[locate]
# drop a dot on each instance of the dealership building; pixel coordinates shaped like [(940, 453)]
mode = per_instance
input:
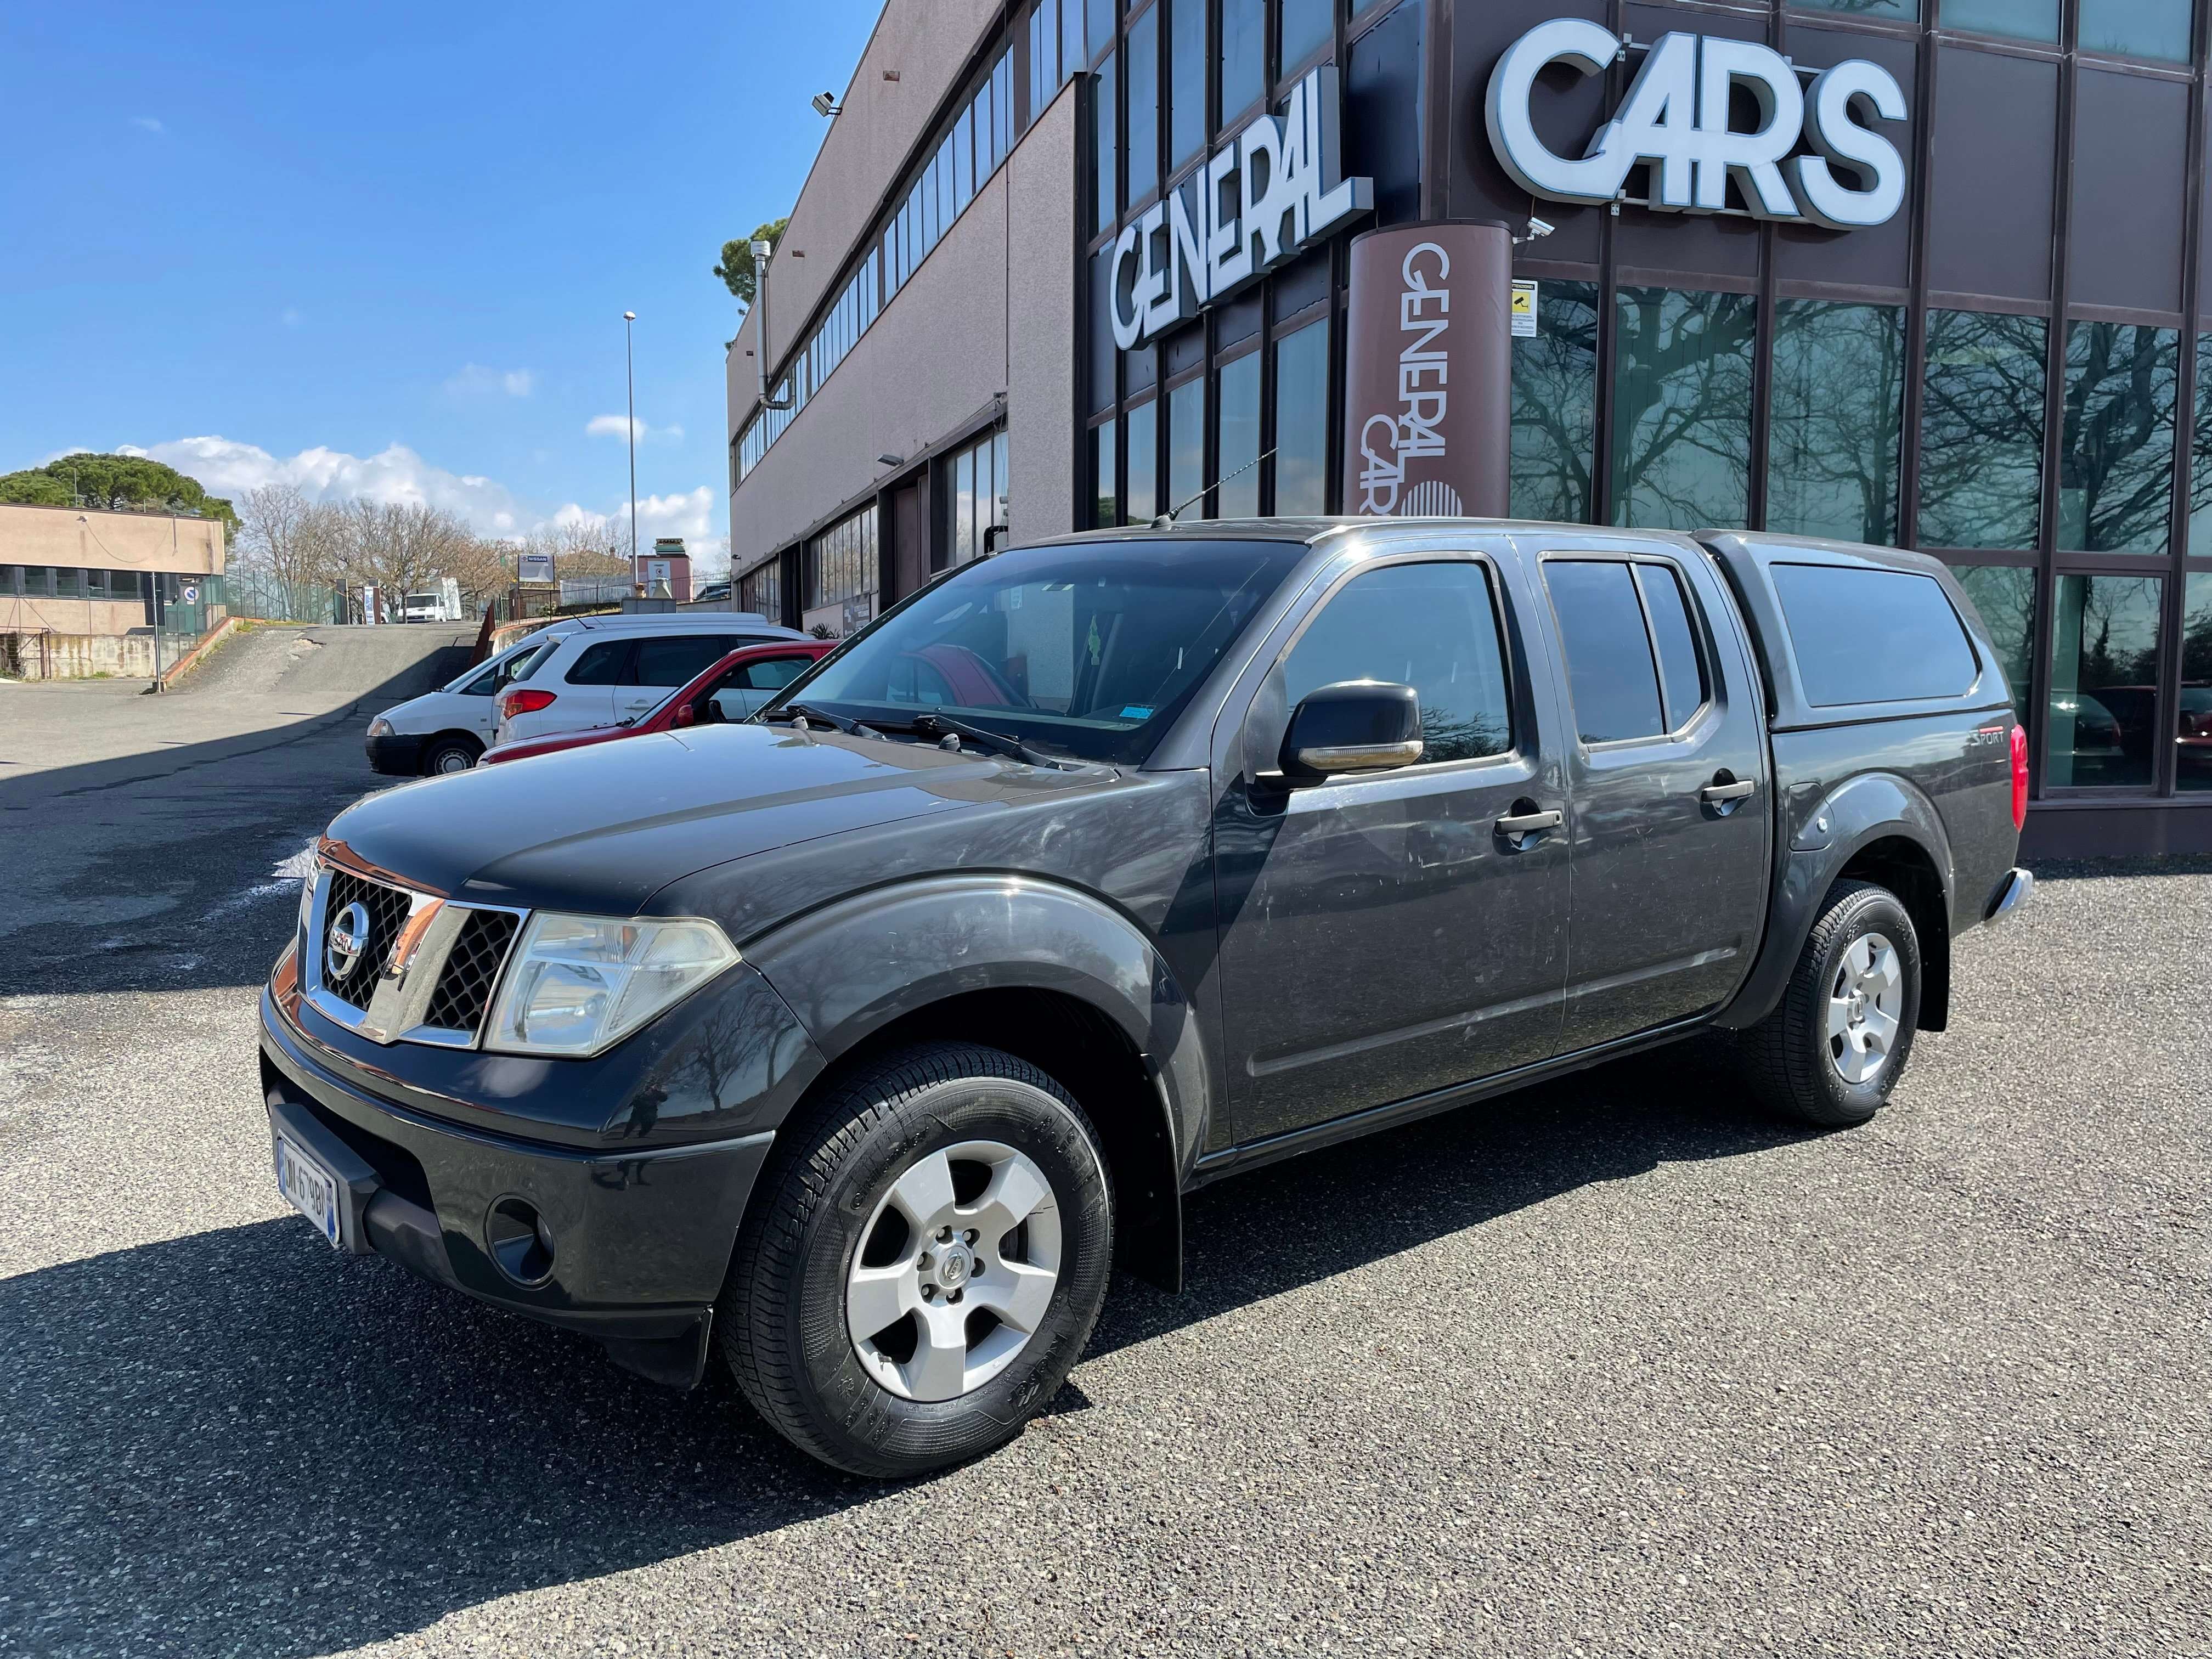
[(1923, 272)]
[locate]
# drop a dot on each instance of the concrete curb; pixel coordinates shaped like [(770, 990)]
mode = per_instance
[(191, 658)]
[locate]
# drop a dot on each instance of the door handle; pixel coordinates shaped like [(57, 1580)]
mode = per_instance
[(1714, 794), (1530, 823)]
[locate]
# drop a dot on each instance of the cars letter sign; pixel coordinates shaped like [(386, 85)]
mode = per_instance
[(1675, 117)]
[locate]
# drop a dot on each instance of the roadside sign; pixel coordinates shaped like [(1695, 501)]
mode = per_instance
[(1524, 310), (188, 595), (535, 568)]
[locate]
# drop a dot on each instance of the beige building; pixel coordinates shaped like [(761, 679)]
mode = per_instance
[(77, 588)]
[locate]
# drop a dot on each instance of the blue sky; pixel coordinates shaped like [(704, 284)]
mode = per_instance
[(385, 248)]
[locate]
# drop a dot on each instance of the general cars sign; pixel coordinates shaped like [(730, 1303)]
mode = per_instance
[(1814, 156)]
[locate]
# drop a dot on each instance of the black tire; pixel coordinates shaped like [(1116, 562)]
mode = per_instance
[(1790, 1058), (782, 1314), (452, 752)]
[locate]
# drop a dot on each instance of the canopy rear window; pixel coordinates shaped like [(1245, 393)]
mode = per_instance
[(1863, 635)]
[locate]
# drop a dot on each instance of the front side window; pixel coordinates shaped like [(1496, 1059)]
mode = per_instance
[(1433, 626), (600, 663), (1089, 650)]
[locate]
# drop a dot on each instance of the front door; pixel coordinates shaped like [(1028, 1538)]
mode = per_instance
[(1669, 809), (1380, 936)]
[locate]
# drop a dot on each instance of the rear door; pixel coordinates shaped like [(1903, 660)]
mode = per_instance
[(663, 662), (1666, 780), (586, 696), (1384, 936)]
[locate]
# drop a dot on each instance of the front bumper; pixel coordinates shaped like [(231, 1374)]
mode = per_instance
[(640, 1241), (399, 755)]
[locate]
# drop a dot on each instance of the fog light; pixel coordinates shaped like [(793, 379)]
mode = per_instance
[(521, 1243)]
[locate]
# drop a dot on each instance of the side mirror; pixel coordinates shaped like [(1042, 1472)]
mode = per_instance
[(1354, 725), (685, 714)]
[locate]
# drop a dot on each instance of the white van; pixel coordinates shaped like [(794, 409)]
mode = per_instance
[(610, 669), (446, 730)]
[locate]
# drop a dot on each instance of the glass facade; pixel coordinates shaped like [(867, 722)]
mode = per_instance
[(2116, 465), (2104, 682), (1186, 447), (1302, 419), (1981, 430), (2138, 29), (1237, 464), (1555, 407), (2024, 20), (1681, 409), (1835, 453)]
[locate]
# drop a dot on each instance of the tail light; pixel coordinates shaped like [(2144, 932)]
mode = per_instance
[(524, 700), (2019, 776)]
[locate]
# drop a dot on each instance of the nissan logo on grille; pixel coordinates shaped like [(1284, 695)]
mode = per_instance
[(347, 938)]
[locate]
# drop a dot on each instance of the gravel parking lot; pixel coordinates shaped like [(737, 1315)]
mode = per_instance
[(1611, 1367)]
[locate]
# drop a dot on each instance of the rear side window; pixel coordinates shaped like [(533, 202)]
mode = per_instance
[(676, 658), (1610, 672), (774, 674), (599, 664), (1429, 626), (1869, 635)]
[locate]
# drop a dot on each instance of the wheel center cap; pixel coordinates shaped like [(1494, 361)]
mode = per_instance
[(953, 1266)]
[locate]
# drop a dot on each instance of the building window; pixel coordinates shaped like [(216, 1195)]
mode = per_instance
[(1105, 508), (1186, 446), (1106, 206), (2005, 596), (2137, 28), (1072, 53), (842, 566), (1555, 406), (2193, 740), (763, 591), (1981, 431), (2103, 701), (979, 496), (1307, 29), (1838, 421), (1237, 446), (1681, 424), (1243, 55), (1044, 56), (1142, 496), (2116, 463), (2024, 20), (70, 584), (1186, 79), (1301, 421), (1902, 11), (1141, 158)]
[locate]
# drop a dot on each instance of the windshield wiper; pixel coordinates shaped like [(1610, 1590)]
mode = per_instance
[(851, 728), (943, 726)]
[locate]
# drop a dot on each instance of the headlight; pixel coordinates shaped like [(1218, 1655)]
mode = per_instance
[(380, 727), (580, 983)]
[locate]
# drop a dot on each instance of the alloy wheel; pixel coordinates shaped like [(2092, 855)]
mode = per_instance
[(1865, 999)]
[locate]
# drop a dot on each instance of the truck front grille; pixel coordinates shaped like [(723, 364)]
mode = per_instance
[(387, 908), (472, 969)]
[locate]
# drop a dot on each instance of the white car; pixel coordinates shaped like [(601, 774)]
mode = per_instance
[(446, 730), (612, 669)]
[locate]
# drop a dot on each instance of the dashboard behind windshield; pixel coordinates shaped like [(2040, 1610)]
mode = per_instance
[(1089, 650)]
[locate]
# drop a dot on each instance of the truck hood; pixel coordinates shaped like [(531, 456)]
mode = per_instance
[(601, 828)]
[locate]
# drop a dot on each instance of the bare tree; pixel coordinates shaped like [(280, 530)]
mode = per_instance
[(581, 547), (285, 536)]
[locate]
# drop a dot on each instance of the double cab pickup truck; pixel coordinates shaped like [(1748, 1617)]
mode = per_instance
[(857, 1042)]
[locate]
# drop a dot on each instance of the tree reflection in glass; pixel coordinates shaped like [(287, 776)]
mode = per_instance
[(2116, 465), (2005, 597), (1838, 423), (1555, 406), (1682, 418), (1981, 430)]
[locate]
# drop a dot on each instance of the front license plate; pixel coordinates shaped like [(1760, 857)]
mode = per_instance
[(313, 1189)]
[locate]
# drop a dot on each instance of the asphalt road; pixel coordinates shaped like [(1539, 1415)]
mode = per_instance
[(1613, 1368)]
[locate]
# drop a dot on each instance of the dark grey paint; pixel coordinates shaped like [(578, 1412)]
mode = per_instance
[(1291, 967)]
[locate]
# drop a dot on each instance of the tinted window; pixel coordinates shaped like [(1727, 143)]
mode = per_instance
[(674, 659), (774, 674), (1681, 672), (1429, 626), (1609, 667), (599, 664), (1864, 635)]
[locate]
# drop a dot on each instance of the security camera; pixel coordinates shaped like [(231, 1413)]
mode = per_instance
[(1539, 228), (825, 103)]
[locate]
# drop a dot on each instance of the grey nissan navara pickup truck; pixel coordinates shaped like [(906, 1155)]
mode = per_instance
[(859, 1040)]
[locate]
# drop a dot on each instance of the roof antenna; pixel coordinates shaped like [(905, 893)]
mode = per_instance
[(1166, 520)]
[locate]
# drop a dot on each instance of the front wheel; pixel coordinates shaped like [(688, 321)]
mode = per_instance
[(1831, 1051), (451, 754), (922, 1264)]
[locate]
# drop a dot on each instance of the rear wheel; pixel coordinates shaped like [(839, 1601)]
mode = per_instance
[(1833, 1049), (450, 753), (922, 1265)]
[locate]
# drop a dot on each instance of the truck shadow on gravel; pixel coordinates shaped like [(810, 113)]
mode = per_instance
[(238, 1442)]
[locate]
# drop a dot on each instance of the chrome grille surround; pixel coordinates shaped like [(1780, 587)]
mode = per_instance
[(399, 982)]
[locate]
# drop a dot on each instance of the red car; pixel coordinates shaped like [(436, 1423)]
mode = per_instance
[(729, 689)]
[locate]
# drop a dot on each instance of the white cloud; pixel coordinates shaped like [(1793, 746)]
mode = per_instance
[(147, 124), (227, 467), (618, 426), (690, 515), (474, 380)]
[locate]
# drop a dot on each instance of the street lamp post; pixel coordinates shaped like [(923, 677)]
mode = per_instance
[(629, 374)]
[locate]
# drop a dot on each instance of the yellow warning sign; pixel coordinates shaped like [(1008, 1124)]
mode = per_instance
[(1524, 311)]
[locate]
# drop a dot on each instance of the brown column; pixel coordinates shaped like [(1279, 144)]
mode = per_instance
[(1428, 403)]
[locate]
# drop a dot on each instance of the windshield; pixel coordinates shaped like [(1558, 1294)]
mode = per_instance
[(1089, 650)]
